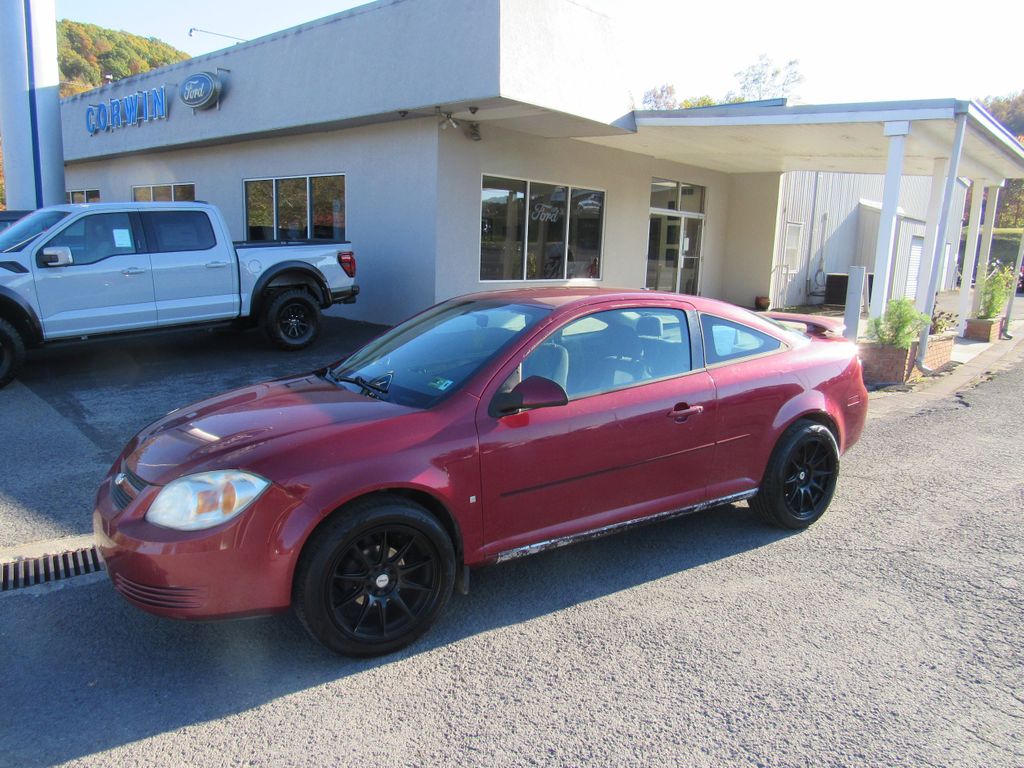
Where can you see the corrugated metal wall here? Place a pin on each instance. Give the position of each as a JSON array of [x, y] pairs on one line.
[[835, 233]]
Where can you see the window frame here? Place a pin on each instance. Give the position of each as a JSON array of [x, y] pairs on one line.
[[151, 241], [784, 346], [70, 193], [309, 204], [569, 188], [171, 184], [139, 244]]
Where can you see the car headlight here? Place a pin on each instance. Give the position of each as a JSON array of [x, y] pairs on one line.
[[195, 502]]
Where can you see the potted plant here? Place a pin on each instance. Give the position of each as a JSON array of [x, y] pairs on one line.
[[996, 291], [890, 355]]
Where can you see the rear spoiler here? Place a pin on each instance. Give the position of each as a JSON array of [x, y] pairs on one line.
[[815, 325]]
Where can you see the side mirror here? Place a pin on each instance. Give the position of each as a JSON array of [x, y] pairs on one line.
[[57, 256], [531, 393]]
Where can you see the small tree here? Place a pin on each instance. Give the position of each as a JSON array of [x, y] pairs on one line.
[[660, 98], [900, 325], [999, 286], [765, 80]]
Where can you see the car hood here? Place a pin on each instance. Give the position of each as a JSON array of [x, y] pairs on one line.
[[229, 430]]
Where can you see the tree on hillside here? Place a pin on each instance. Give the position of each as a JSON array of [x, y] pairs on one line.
[[662, 97], [88, 54], [1009, 110]]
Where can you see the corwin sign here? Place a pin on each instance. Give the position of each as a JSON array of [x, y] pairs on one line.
[[200, 91], [135, 108]]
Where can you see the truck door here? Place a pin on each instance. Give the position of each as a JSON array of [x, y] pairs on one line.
[[108, 286], [194, 277]]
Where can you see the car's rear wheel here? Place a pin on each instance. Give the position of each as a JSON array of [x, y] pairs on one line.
[[373, 578], [801, 476], [292, 320], [12, 352]]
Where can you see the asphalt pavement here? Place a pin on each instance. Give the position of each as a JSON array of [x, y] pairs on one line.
[[886, 634]]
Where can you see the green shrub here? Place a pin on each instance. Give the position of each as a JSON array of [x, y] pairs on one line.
[[900, 325], [999, 285], [942, 322]]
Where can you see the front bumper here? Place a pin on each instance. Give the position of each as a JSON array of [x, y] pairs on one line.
[[236, 569]]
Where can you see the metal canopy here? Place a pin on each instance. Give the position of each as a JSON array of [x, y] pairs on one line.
[[773, 137]]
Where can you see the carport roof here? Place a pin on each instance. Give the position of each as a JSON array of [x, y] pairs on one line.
[[773, 136]]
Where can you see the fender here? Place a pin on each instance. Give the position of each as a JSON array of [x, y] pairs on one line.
[[812, 403], [21, 313], [256, 305]]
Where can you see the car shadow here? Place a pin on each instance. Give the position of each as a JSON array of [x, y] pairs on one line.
[[76, 405], [123, 676]]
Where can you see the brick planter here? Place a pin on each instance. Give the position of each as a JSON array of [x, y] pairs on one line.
[[984, 330], [891, 365]]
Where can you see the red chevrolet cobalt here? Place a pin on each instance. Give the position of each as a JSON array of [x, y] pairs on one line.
[[486, 428]]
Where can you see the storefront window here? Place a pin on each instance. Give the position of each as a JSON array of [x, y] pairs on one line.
[[328, 193], [502, 229], [676, 196], [164, 193], [585, 217], [559, 229], [295, 208], [545, 247], [83, 195]]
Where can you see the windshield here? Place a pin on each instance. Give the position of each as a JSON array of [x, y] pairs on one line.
[[424, 359], [12, 238]]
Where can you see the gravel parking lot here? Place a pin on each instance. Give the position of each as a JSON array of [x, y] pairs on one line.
[[887, 634]]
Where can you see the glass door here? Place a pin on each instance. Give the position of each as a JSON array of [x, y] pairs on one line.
[[674, 238], [663, 252], [689, 270]]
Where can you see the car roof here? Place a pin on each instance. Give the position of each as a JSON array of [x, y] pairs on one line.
[[564, 296]]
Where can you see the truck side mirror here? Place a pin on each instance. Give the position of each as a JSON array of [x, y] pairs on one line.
[[57, 256]]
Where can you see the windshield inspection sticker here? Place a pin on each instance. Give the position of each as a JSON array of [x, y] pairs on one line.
[[442, 384], [122, 238]]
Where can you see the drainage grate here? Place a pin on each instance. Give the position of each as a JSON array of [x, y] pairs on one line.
[[39, 570]]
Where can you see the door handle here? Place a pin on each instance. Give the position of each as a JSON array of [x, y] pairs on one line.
[[682, 411], [133, 271], [216, 264]]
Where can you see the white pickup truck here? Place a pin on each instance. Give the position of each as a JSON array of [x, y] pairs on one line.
[[73, 271]]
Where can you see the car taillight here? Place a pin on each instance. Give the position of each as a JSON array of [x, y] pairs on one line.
[[347, 261]]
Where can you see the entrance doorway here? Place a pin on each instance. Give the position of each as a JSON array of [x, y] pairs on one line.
[[675, 235]]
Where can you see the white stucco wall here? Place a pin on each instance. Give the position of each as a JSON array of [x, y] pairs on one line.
[[390, 186], [751, 217]]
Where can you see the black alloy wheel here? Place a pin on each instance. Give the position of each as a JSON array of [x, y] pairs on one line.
[[810, 478], [292, 320], [800, 478], [374, 577]]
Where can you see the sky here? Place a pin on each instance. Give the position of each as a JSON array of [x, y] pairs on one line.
[[872, 50]]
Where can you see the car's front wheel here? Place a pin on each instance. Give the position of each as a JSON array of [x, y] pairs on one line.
[[292, 320], [800, 478], [374, 577]]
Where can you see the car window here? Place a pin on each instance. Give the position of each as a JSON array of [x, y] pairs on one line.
[[96, 237], [175, 231], [28, 228], [725, 341], [425, 359], [610, 350]]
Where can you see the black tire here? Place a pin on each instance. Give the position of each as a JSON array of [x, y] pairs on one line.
[[373, 578], [801, 477], [292, 320], [12, 353]]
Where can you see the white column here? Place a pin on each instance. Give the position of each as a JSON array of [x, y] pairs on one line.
[[931, 229], [953, 246], [991, 204], [970, 252], [940, 245], [897, 133]]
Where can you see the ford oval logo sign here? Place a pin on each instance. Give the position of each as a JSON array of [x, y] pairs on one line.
[[200, 91]]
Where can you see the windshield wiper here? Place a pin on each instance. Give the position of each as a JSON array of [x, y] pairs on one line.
[[371, 388]]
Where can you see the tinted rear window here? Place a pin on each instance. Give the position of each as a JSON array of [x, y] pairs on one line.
[[171, 231]]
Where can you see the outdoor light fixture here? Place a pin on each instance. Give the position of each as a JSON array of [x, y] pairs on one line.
[[447, 121], [473, 131]]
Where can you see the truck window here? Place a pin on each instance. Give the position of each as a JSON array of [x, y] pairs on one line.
[[96, 237], [175, 231]]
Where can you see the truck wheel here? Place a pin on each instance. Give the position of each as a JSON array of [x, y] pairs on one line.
[[292, 320], [12, 353]]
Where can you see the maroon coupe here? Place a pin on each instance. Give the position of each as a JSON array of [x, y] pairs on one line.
[[486, 428]]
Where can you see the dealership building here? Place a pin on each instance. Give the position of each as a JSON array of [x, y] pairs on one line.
[[464, 145]]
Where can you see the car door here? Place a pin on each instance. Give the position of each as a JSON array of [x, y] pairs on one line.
[[108, 286], [636, 437], [194, 278]]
